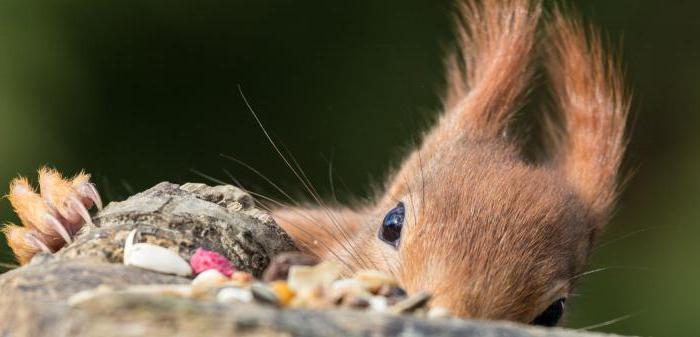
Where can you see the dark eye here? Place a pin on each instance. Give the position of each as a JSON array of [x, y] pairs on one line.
[[390, 232], [551, 315]]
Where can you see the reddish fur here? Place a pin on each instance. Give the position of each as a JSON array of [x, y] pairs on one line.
[[489, 234]]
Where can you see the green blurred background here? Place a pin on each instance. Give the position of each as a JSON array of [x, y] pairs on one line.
[[144, 91]]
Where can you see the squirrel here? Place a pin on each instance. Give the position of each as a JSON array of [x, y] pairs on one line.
[[465, 217]]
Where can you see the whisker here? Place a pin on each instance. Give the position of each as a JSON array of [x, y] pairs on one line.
[[277, 202], [620, 238], [413, 205], [330, 176], [233, 179], [206, 176], [304, 182], [422, 179], [127, 187], [598, 270], [106, 188], [331, 215], [268, 180], [269, 210], [610, 322]]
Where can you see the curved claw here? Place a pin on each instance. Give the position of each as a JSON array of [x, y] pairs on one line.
[[79, 208], [93, 195], [31, 238], [58, 226]]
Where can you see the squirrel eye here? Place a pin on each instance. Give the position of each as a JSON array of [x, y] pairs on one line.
[[390, 232], [551, 315]]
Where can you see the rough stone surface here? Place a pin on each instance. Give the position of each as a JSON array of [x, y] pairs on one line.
[[183, 218]]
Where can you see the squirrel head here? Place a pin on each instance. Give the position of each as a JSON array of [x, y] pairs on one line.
[[465, 216]]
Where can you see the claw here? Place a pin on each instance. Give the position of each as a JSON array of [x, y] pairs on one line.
[[79, 208], [58, 226], [31, 238], [91, 193]]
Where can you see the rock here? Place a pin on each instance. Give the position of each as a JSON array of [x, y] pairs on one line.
[[184, 218]]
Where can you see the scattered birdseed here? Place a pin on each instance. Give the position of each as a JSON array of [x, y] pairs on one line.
[[293, 280]]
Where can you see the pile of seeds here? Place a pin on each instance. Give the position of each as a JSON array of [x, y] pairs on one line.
[[292, 281]]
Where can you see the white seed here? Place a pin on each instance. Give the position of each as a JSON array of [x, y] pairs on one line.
[[439, 312], [378, 303], [321, 275], [209, 279], [156, 258], [372, 280], [232, 295], [345, 287]]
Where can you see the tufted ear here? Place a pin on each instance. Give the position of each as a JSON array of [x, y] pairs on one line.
[[589, 138], [491, 69]]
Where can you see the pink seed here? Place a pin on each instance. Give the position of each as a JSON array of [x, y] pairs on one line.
[[205, 259]]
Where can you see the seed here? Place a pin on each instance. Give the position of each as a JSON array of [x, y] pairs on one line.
[[373, 280], [209, 279], [279, 266], [230, 295], [310, 298], [156, 258], [378, 303], [346, 288], [356, 302], [282, 291], [264, 294], [151, 257], [439, 312], [242, 277], [205, 259], [321, 275], [411, 303], [393, 293]]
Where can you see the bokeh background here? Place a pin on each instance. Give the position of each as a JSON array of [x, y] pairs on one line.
[[144, 91]]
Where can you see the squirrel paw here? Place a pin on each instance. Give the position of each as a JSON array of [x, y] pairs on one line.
[[51, 219]]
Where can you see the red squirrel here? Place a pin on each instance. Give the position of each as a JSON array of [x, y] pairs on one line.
[[465, 217]]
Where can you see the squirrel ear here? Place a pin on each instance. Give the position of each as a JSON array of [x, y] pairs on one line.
[[589, 142], [489, 72]]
